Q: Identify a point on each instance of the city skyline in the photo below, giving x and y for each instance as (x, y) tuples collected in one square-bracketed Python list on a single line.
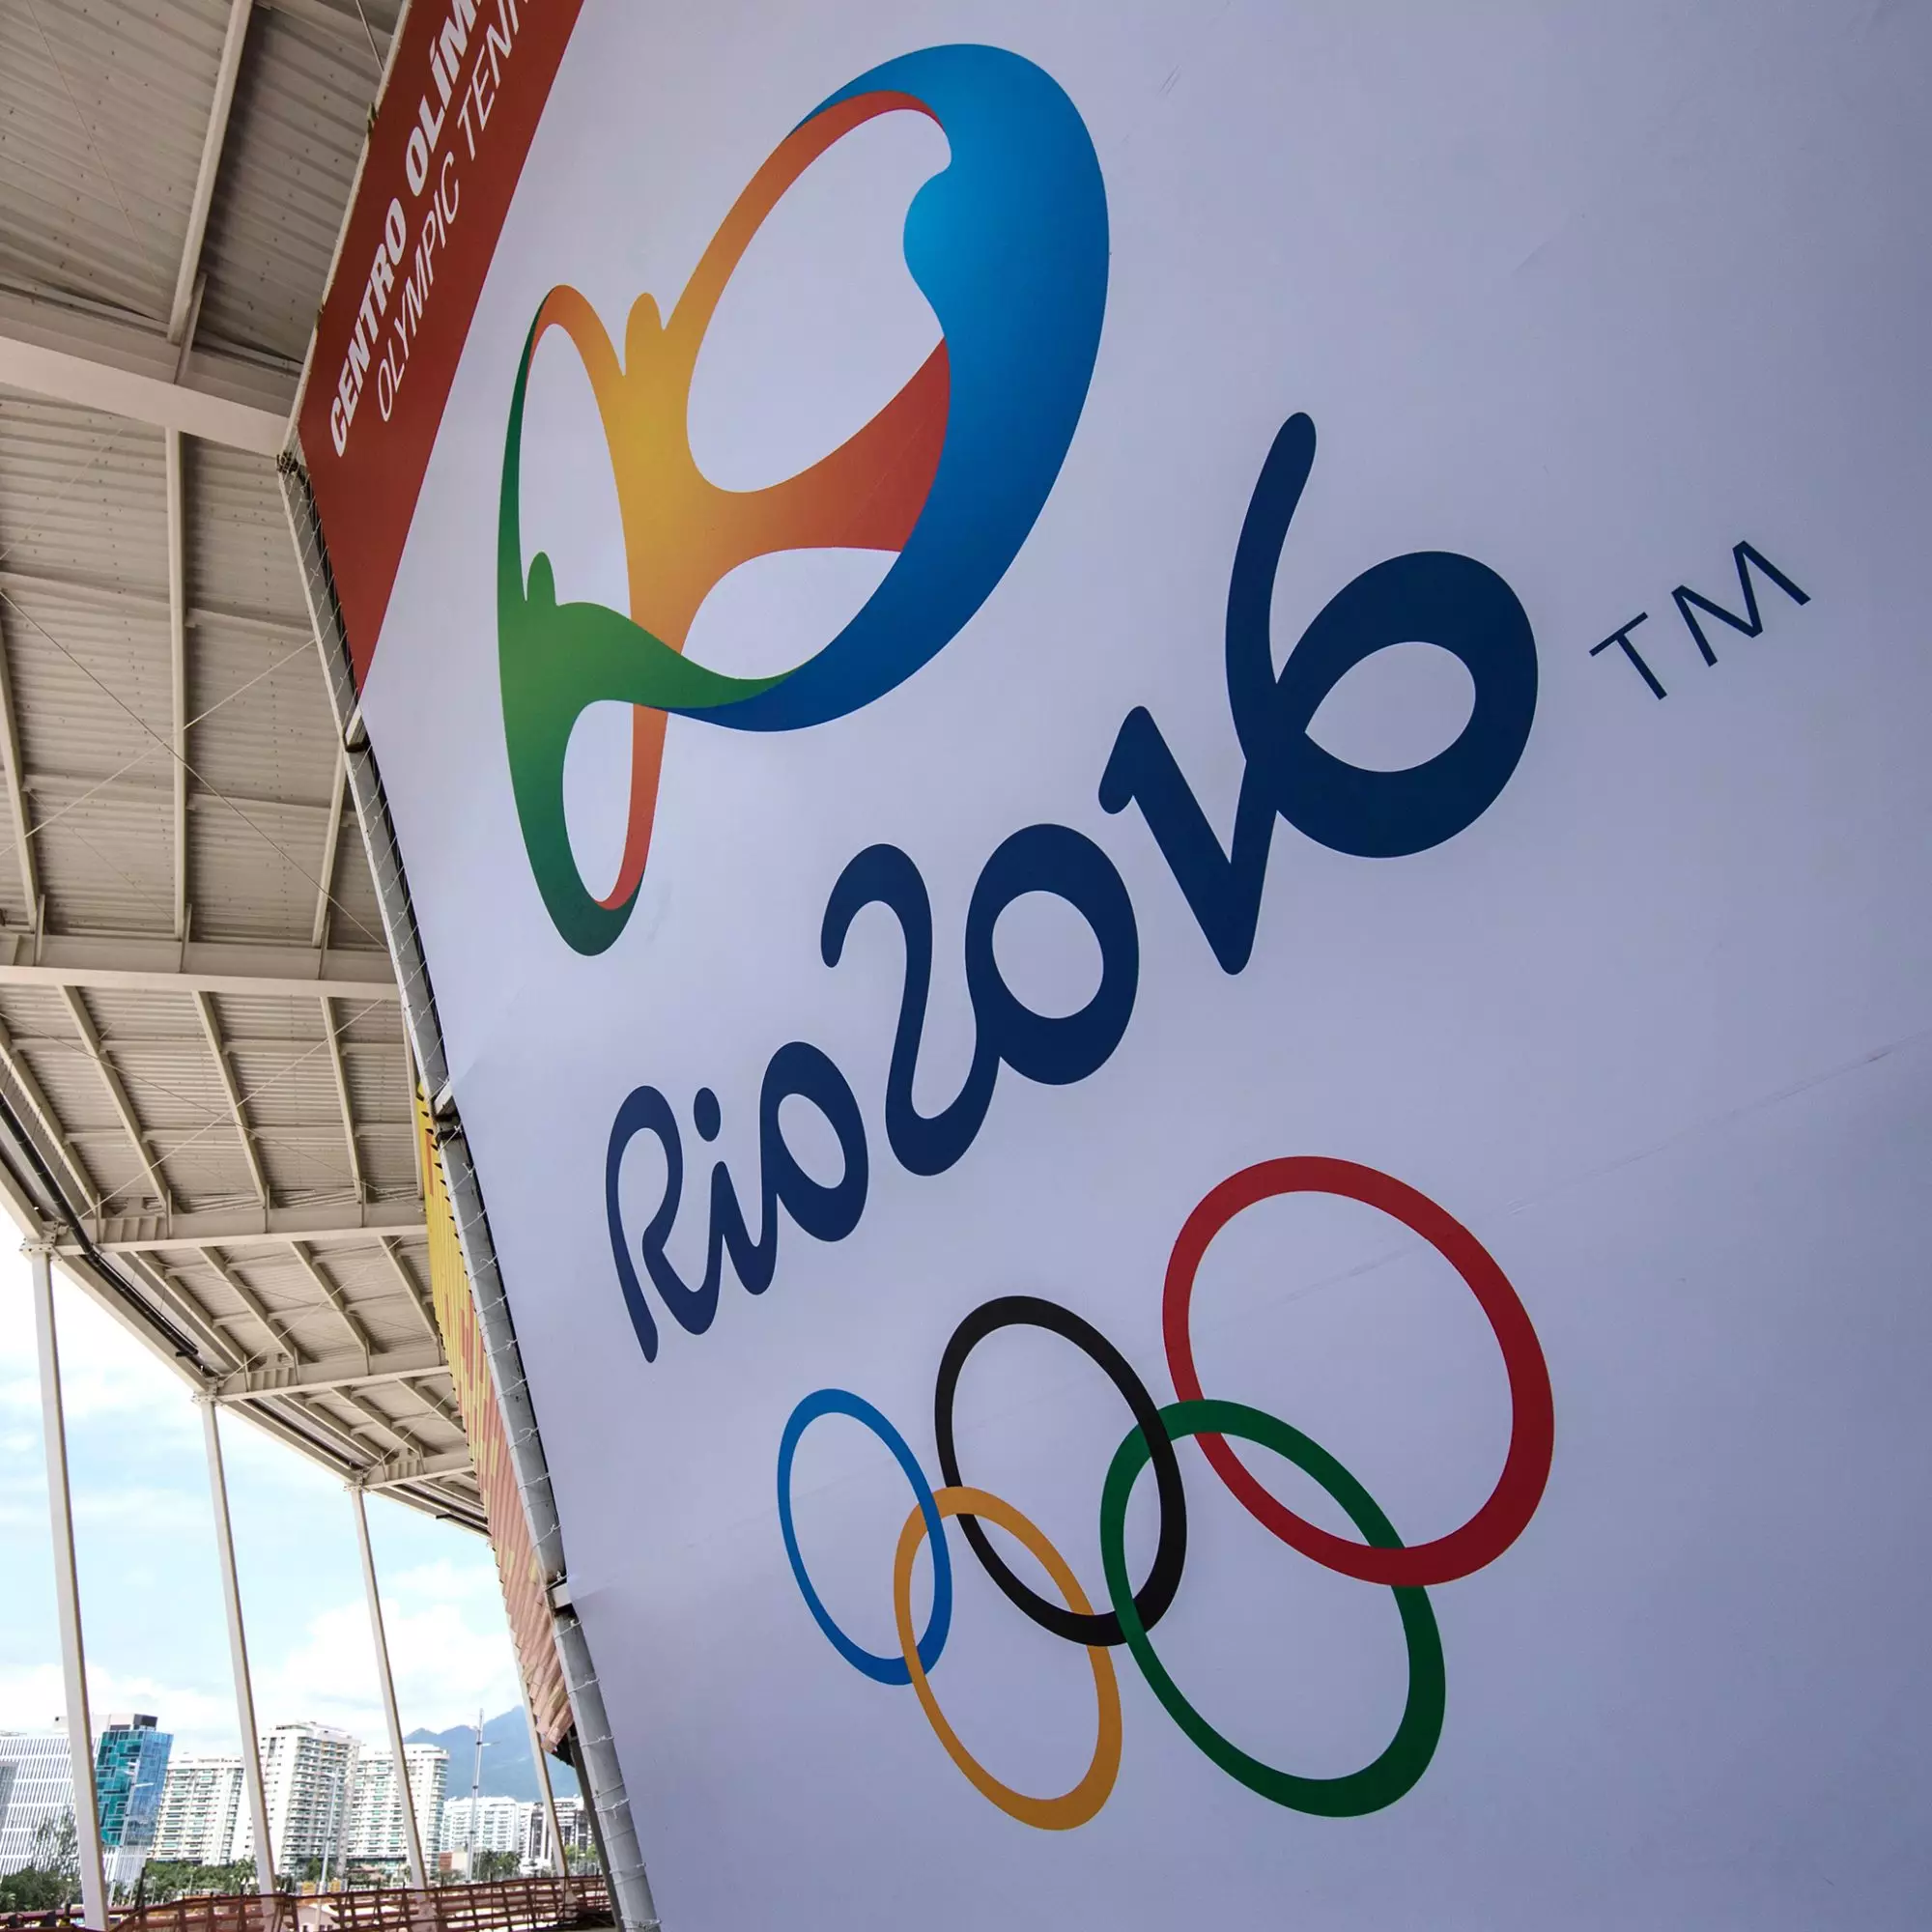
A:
[(149, 1586), (331, 1798)]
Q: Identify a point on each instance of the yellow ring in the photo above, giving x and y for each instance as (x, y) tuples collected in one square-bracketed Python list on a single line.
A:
[(1049, 1814)]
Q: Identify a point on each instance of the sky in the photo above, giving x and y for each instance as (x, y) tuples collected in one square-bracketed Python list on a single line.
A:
[(150, 1584)]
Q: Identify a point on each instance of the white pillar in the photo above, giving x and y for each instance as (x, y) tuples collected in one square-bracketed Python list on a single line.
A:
[(67, 1592), (412, 1836), (238, 1653), (558, 1863)]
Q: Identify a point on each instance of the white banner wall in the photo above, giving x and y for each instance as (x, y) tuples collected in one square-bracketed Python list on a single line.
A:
[(1268, 946)]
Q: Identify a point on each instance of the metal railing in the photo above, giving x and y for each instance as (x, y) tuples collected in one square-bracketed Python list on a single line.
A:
[(506, 1905)]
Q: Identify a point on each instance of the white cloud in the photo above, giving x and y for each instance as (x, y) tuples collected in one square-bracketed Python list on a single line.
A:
[(32, 1696), (142, 1512), (450, 1654)]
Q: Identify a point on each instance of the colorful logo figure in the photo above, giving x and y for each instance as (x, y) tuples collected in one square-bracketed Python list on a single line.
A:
[(1381, 1558), (1009, 243)]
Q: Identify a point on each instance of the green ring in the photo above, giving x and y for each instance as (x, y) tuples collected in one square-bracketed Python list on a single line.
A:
[(1413, 1745)]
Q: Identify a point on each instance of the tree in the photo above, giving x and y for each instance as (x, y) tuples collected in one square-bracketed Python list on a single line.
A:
[(30, 1890), (167, 1878), (51, 1875), (491, 1865)]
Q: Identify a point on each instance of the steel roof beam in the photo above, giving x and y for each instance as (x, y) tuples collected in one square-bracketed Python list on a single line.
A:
[(139, 791), (153, 398), (331, 840), (211, 167), (117, 1092), (90, 593), (178, 654), (437, 1407), (224, 1070), (330, 1373), (250, 1227), (343, 1101), (414, 1468), (350, 1450), (374, 1420), (419, 1300), (16, 789), (361, 975), (216, 1348), (282, 1341), (61, 1141), (338, 1300)]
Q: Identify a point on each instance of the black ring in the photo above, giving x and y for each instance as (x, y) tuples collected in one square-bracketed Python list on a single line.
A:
[(1152, 1598)]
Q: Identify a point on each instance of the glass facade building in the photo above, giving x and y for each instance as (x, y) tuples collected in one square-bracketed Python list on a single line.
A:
[(130, 1769)]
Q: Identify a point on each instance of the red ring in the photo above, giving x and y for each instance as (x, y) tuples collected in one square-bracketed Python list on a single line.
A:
[(1532, 1427)]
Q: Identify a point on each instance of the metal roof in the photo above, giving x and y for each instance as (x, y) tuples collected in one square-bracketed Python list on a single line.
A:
[(205, 1088)]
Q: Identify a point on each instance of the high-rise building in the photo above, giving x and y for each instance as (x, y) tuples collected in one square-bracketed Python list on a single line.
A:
[(309, 1773), (131, 1766), (201, 1815), (376, 1821), (571, 1821), (500, 1826), (36, 1787)]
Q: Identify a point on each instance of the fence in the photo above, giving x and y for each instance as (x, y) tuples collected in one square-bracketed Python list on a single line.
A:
[(511, 1905)]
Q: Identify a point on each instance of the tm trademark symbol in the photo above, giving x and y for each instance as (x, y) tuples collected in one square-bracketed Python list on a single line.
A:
[(1691, 602)]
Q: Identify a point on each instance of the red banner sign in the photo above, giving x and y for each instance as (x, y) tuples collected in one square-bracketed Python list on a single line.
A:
[(462, 101)]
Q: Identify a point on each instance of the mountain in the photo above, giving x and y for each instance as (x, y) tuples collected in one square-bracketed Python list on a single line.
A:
[(507, 1770)]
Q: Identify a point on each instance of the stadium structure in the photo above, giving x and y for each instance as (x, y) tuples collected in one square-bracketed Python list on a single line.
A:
[(210, 1115)]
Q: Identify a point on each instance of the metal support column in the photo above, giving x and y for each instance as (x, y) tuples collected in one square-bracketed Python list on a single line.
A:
[(606, 1802), (237, 1652), (411, 1835), (558, 1863), (67, 1591)]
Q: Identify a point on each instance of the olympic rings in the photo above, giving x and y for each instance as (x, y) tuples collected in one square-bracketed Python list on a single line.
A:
[(1048, 1815), (881, 1669), (1413, 1745), (1152, 1601), (1532, 1429), (1380, 1558)]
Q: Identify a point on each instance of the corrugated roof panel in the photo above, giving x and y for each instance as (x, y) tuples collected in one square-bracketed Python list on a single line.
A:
[(108, 865), (297, 1018), (82, 495), (287, 1086), (30, 1011), (294, 135), (253, 869), (263, 726), (103, 107), (372, 1026), (102, 113), (377, 1087), (355, 916), (239, 548), (126, 1014), (282, 1283), (67, 1076)]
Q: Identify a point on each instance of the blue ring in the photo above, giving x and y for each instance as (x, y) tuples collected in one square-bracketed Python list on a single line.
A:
[(881, 1669)]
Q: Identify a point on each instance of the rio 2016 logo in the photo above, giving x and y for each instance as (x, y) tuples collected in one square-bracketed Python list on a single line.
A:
[(1009, 245)]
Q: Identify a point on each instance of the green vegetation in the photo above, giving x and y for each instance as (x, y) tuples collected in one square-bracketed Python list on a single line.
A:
[(51, 1876), (164, 1879)]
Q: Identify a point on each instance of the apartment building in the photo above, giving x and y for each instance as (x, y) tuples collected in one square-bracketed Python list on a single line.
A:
[(201, 1819), (376, 1819), (309, 1774)]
